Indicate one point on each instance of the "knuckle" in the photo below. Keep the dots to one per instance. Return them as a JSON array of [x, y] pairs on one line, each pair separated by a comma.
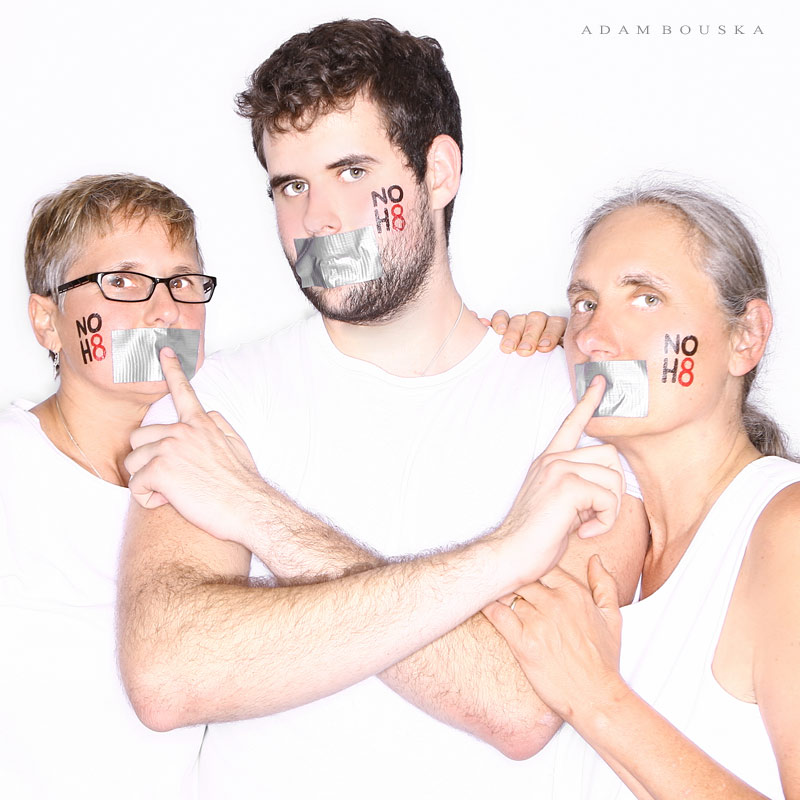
[[558, 470], [535, 323], [546, 459]]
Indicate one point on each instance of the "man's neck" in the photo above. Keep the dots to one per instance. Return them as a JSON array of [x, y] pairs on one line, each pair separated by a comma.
[[409, 344]]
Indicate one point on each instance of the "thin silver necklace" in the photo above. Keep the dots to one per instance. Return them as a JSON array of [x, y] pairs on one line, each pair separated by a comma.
[[446, 340], [72, 439]]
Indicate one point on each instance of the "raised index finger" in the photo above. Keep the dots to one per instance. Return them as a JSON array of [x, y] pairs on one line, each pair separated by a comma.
[[186, 403], [569, 434]]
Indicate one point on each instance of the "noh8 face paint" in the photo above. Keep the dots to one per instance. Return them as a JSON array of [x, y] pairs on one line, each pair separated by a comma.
[[626, 387], [339, 259], [134, 352]]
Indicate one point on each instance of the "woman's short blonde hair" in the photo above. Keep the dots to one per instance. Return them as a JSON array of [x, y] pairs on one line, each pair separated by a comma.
[[63, 222]]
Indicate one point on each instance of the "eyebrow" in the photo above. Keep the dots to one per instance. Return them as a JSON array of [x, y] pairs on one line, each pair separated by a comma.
[[578, 286], [351, 160], [135, 266], [630, 279], [643, 279]]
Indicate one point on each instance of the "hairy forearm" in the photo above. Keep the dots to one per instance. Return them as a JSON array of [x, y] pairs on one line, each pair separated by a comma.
[[653, 758], [299, 547], [198, 647], [469, 679]]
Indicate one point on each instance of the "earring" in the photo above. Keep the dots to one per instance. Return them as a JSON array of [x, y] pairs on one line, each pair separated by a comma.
[[56, 362]]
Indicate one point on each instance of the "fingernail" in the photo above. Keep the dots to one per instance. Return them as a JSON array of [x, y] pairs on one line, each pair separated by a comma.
[[507, 343], [544, 343], [524, 346], [502, 328], [167, 351]]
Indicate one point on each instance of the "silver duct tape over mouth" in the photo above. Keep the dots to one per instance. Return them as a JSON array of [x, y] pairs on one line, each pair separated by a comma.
[[134, 352], [626, 392], [339, 259]]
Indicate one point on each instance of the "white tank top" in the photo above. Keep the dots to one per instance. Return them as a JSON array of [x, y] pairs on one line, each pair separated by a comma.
[[668, 644]]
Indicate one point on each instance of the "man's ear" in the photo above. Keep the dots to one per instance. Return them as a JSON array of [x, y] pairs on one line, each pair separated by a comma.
[[443, 176], [42, 311], [749, 338]]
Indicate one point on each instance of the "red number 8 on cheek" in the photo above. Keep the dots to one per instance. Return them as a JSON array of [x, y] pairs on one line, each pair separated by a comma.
[[398, 220]]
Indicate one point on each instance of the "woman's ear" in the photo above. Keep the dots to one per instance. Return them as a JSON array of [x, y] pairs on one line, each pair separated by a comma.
[[443, 175], [750, 337], [42, 311]]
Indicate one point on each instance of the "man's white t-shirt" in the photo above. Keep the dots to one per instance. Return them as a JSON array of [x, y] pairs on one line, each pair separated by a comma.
[[404, 465]]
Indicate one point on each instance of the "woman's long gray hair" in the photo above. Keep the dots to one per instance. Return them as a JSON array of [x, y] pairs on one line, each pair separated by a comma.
[[729, 256]]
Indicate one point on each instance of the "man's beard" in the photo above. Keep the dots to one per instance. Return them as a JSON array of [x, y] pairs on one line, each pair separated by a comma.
[[406, 260]]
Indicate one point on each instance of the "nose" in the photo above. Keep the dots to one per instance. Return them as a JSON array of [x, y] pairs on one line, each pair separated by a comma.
[[161, 310], [320, 217], [598, 338]]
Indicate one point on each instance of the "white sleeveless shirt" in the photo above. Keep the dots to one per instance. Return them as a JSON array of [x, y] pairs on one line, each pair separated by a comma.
[[668, 644]]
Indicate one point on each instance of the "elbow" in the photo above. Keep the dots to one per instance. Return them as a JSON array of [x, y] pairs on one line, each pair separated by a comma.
[[517, 750], [154, 717], [526, 738], [159, 703], [157, 716]]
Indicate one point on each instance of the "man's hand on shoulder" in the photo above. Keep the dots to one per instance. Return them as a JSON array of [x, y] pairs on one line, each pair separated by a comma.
[[528, 333]]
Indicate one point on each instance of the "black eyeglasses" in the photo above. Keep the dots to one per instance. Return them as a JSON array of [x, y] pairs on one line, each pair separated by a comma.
[[134, 287]]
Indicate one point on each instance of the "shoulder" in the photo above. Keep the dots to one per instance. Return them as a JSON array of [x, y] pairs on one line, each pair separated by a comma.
[[543, 377], [537, 372], [772, 562], [235, 380], [776, 534], [19, 448], [17, 424], [261, 353], [774, 606]]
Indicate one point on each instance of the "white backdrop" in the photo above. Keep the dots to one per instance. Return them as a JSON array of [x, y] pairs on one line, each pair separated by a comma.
[[554, 119]]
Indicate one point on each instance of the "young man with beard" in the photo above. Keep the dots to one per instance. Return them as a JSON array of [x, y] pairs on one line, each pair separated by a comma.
[[391, 413]]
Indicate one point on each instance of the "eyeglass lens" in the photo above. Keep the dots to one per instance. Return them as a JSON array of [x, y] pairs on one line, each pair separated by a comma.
[[130, 286]]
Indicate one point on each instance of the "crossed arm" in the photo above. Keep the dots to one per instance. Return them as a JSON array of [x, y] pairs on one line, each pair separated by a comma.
[[199, 643], [469, 677]]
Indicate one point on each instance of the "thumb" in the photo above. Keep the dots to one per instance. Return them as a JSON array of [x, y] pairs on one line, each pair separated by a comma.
[[223, 425], [147, 498], [241, 450], [602, 585], [505, 621]]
